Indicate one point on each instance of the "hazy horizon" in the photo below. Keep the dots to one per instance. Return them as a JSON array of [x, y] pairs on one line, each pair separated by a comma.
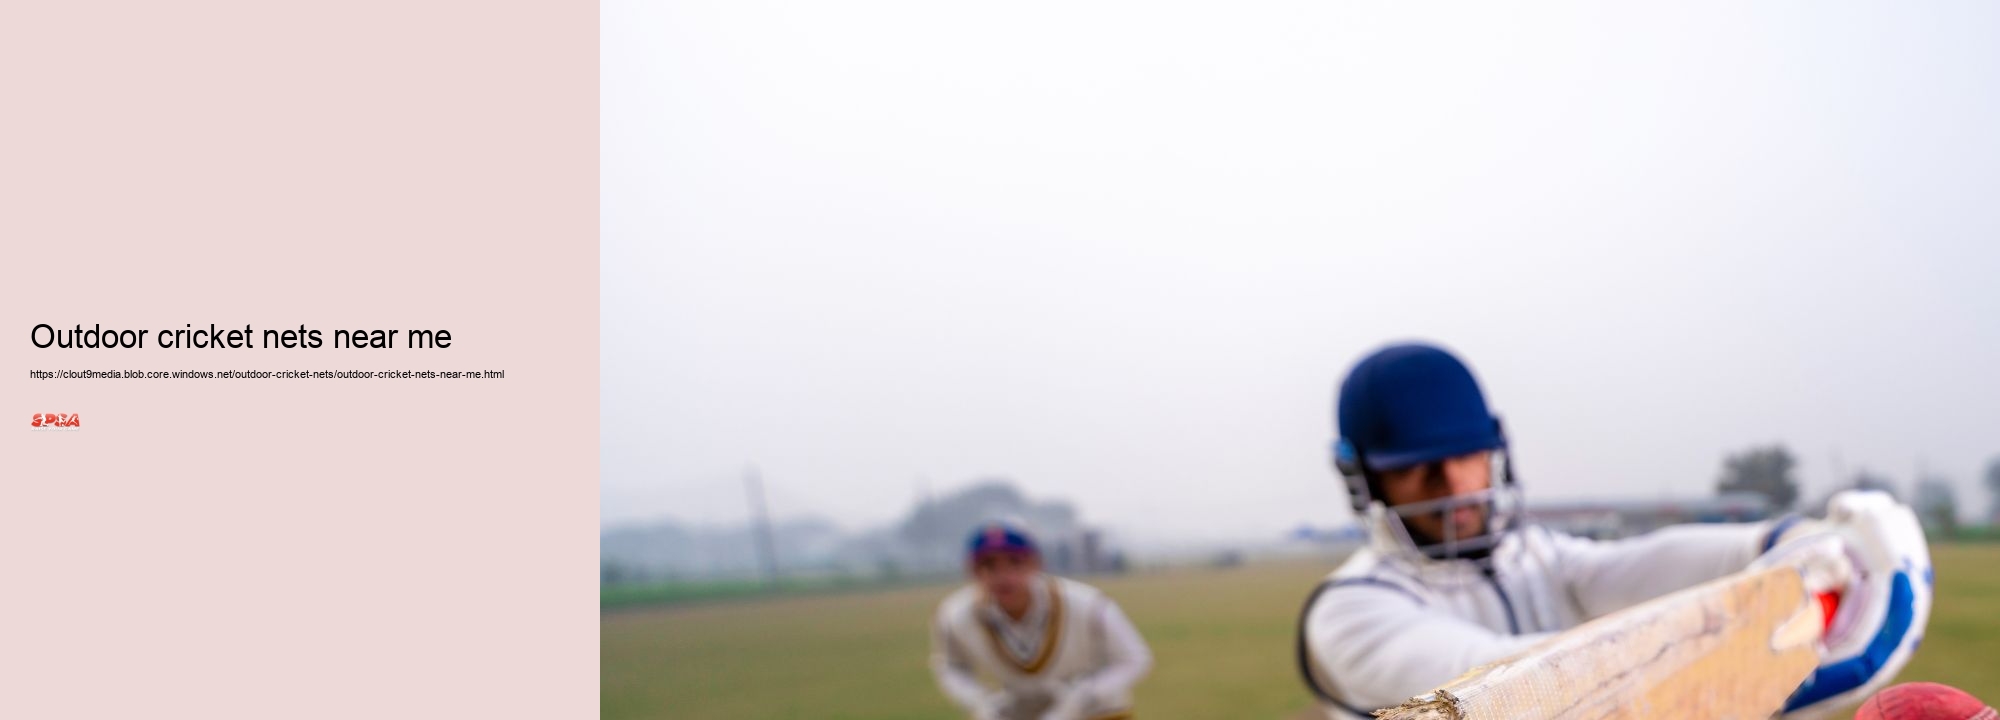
[[1121, 255]]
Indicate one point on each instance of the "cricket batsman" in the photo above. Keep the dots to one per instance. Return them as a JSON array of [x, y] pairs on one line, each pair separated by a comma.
[[1452, 579], [1020, 644]]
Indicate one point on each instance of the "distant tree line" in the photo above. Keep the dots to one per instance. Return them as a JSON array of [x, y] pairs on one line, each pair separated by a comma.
[[1767, 470]]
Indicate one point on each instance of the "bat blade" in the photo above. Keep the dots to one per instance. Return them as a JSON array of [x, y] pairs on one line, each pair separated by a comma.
[[1735, 647]]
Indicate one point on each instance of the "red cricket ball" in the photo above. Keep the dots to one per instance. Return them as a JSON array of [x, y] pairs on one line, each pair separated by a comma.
[[1924, 701]]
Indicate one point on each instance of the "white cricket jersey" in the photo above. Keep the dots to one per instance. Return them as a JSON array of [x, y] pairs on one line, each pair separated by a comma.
[[1387, 626], [1072, 643]]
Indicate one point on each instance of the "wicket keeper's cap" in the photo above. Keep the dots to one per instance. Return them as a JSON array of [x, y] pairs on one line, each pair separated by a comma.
[[999, 537], [1413, 403]]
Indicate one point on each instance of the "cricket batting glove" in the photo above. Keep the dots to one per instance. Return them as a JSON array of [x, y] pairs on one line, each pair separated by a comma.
[[1869, 570]]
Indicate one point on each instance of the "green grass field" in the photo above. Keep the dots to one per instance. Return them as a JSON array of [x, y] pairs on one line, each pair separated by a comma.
[[1221, 639], [620, 597]]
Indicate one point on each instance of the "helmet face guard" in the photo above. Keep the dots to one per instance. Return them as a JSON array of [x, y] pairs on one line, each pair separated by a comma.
[[1500, 506]]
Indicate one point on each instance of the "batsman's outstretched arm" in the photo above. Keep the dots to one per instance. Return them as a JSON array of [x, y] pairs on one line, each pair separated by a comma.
[[1607, 576], [1379, 646]]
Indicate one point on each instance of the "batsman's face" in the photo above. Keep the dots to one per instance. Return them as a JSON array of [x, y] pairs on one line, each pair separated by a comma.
[[1457, 475], [1006, 577]]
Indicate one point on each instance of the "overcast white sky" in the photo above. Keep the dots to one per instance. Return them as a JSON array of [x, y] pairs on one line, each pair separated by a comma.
[[1123, 252]]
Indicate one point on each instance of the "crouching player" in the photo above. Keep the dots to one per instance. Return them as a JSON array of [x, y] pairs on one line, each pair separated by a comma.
[[1019, 644]]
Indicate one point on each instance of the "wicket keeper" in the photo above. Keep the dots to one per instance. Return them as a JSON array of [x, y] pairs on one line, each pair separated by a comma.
[[1020, 644]]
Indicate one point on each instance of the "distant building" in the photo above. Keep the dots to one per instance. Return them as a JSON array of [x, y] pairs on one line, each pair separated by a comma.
[[1609, 519]]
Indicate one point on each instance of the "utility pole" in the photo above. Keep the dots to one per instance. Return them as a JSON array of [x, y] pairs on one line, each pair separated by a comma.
[[760, 524]]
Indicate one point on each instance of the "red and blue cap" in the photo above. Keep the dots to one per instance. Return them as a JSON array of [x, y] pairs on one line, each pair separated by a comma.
[[999, 537]]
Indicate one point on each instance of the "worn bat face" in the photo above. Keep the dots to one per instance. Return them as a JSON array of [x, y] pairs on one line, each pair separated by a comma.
[[1732, 648]]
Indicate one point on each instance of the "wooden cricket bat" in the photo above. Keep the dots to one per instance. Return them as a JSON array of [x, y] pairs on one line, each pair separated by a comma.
[[1735, 647]]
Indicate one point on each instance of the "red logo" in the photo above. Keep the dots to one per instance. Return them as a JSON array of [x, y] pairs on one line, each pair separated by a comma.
[[57, 420]]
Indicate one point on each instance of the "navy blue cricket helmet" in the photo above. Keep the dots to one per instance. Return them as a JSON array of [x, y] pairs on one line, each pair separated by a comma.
[[1405, 405]]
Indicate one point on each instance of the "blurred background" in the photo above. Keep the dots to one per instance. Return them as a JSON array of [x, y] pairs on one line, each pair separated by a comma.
[[873, 272]]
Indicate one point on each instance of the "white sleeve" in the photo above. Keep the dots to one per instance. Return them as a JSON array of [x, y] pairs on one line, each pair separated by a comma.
[[1128, 657], [954, 670], [1381, 646], [1605, 576]]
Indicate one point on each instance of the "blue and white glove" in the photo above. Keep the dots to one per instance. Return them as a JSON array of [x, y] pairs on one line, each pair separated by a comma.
[[1869, 558]]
